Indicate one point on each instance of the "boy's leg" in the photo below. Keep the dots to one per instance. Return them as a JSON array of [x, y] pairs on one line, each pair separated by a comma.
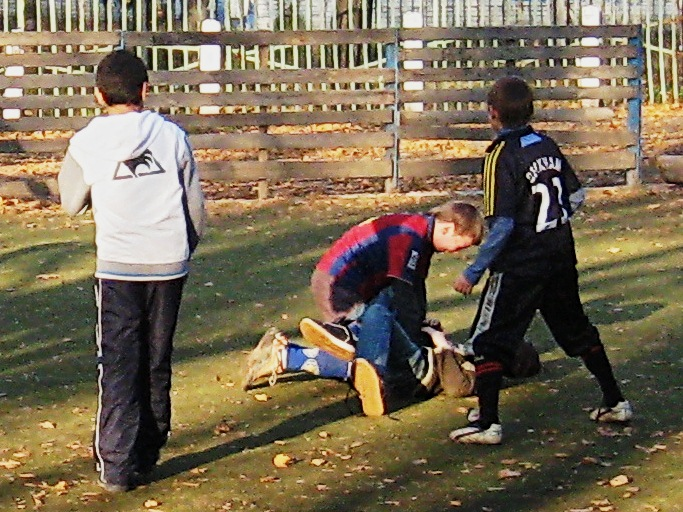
[[506, 308], [564, 314], [163, 303], [316, 362], [406, 355], [119, 330], [373, 336]]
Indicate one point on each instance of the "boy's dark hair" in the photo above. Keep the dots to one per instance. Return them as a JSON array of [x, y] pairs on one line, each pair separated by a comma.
[[120, 77], [467, 219], [512, 98]]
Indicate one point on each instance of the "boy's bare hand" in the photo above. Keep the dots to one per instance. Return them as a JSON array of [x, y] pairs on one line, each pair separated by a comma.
[[462, 285]]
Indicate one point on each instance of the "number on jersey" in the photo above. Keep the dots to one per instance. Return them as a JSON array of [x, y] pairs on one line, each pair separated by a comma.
[[551, 212]]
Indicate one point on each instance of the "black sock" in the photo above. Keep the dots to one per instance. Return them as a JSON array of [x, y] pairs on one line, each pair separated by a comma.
[[598, 364], [489, 379]]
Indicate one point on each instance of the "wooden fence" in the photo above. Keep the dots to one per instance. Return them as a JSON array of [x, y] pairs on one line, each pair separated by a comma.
[[278, 124]]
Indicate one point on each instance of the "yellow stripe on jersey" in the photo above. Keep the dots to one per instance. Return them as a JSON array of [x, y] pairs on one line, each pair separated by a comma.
[[490, 163]]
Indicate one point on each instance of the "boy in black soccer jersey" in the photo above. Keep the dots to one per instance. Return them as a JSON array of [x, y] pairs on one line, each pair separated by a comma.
[[530, 192], [137, 173]]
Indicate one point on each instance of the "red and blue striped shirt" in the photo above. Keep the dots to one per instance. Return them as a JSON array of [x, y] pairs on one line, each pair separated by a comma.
[[368, 255]]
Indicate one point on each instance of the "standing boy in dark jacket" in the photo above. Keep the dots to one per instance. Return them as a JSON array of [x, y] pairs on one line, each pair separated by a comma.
[[530, 192], [137, 173]]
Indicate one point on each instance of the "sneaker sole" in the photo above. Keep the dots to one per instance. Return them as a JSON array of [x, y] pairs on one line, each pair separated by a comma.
[[316, 335], [474, 437], [369, 386]]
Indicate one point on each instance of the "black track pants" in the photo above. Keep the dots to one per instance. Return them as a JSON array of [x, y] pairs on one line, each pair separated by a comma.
[[509, 303], [135, 326]]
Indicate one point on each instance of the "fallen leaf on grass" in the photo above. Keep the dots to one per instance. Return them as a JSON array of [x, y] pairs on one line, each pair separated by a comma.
[[151, 503], [224, 426], [508, 473], [46, 277], [455, 503], [619, 480], [318, 462], [282, 460], [261, 397], [9, 464], [47, 424], [322, 487]]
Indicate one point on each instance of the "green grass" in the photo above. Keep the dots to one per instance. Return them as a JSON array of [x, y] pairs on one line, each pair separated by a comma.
[[251, 272]]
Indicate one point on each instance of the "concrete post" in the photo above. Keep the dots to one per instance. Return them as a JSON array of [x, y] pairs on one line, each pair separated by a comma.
[[413, 19], [591, 17], [210, 60], [13, 92]]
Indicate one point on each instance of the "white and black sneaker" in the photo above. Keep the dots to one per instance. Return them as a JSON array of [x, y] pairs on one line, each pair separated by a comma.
[[335, 339], [475, 433], [620, 413]]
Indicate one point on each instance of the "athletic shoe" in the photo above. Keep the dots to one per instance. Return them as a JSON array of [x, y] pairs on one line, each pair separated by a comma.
[[367, 382], [473, 415], [332, 338], [620, 413], [114, 488], [474, 433], [266, 358]]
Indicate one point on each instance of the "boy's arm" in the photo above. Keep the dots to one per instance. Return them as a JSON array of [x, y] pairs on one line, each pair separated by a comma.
[[195, 198], [575, 192], [500, 229], [74, 193], [500, 197]]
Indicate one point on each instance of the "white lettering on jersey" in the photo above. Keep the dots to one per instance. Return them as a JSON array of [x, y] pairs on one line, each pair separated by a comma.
[[544, 163], [412, 261]]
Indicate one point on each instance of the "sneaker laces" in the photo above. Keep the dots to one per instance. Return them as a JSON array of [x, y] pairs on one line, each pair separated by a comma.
[[279, 342]]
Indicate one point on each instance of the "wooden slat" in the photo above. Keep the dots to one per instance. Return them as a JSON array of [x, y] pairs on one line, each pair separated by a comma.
[[478, 95], [52, 60], [261, 38], [48, 80], [33, 101], [441, 118], [266, 76], [528, 72], [562, 137], [37, 124], [416, 131], [593, 137], [60, 38], [603, 161], [292, 141], [271, 98], [34, 146], [514, 53], [519, 32], [365, 117], [235, 171]]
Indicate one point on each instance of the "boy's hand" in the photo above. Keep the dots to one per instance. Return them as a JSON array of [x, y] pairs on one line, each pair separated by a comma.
[[462, 285]]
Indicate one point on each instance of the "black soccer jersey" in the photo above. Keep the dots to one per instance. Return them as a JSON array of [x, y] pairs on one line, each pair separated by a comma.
[[528, 179]]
